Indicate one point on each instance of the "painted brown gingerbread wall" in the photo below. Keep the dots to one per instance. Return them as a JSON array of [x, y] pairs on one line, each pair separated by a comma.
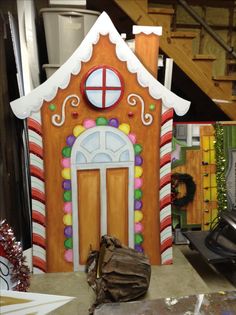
[[54, 140], [97, 170]]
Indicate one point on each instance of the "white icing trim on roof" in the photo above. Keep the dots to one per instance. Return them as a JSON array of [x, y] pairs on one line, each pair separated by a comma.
[[33, 101], [137, 29]]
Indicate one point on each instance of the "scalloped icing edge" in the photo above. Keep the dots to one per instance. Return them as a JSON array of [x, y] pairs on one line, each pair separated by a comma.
[[147, 30], [32, 102]]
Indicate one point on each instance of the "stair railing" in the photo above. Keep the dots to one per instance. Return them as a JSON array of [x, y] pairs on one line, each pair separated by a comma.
[[217, 38]]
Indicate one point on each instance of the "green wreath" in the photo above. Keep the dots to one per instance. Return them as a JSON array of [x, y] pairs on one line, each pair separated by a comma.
[[187, 179]]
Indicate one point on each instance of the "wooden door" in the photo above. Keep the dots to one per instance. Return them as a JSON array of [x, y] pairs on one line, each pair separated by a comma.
[[89, 212], [117, 203], [89, 208]]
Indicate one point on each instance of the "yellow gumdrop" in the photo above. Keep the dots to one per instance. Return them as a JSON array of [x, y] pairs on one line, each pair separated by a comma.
[[78, 130], [138, 216], [67, 219], [65, 173], [138, 171], [125, 128]]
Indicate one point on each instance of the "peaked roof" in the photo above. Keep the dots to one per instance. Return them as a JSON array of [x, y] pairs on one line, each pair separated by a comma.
[[32, 102]]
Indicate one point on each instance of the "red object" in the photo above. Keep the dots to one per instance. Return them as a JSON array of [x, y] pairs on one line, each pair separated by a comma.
[[13, 252], [2, 251], [74, 115]]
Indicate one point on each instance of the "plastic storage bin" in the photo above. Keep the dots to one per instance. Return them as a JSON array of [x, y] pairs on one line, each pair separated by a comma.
[[50, 69], [65, 28]]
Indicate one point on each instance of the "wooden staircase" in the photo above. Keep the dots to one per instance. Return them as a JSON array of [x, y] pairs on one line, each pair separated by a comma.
[[178, 46]]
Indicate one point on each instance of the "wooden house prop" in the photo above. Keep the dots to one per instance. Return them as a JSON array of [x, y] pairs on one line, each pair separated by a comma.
[[194, 203], [100, 131], [204, 156]]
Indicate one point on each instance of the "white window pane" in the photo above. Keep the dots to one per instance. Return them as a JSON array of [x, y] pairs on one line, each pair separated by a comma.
[[112, 79], [80, 158], [114, 142], [91, 142], [112, 97], [101, 158], [95, 97], [95, 78], [124, 157]]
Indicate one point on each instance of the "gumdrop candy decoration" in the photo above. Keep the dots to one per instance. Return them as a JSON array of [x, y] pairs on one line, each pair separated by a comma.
[[113, 122]]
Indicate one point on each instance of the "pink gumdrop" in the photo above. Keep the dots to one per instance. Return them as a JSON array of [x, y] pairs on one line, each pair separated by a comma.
[[65, 162], [89, 123], [132, 137], [68, 255], [68, 207], [138, 227], [138, 183]]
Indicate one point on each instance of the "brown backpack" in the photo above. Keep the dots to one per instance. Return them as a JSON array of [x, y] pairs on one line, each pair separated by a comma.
[[117, 273]]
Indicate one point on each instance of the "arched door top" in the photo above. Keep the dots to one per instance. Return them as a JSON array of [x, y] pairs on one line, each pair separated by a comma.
[[102, 144]]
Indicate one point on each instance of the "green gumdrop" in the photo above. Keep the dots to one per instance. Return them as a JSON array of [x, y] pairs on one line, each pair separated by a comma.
[[68, 243], [138, 239], [101, 121], [67, 195], [138, 194], [137, 149], [66, 151], [52, 107], [152, 106]]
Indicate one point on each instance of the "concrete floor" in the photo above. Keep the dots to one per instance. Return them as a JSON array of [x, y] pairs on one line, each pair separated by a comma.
[[215, 280], [187, 276]]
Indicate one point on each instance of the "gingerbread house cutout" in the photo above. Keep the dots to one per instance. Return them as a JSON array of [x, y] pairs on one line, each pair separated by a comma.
[[100, 132]]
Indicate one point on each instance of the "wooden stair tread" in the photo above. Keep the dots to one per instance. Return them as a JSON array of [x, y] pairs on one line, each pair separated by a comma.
[[231, 61], [139, 14], [224, 78], [183, 34], [203, 57], [224, 101], [167, 11], [228, 108]]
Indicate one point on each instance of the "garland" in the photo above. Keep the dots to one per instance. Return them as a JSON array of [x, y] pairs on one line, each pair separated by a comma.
[[187, 179], [20, 273], [220, 167]]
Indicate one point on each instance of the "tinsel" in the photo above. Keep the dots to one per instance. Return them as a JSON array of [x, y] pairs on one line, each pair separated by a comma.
[[220, 167], [20, 273]]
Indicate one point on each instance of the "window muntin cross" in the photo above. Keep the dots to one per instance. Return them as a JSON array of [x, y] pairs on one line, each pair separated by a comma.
[[103, 87]]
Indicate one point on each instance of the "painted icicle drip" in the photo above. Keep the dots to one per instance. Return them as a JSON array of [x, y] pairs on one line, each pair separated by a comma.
[[66, 182], [165, 189], [132, 100], [58, 120], [37, 192]]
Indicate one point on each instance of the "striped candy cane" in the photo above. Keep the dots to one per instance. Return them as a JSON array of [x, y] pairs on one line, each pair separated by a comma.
[[165, 186], [38, 193]]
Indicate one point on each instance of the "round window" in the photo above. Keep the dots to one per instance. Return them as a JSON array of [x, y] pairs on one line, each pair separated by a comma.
[[103, 87]]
